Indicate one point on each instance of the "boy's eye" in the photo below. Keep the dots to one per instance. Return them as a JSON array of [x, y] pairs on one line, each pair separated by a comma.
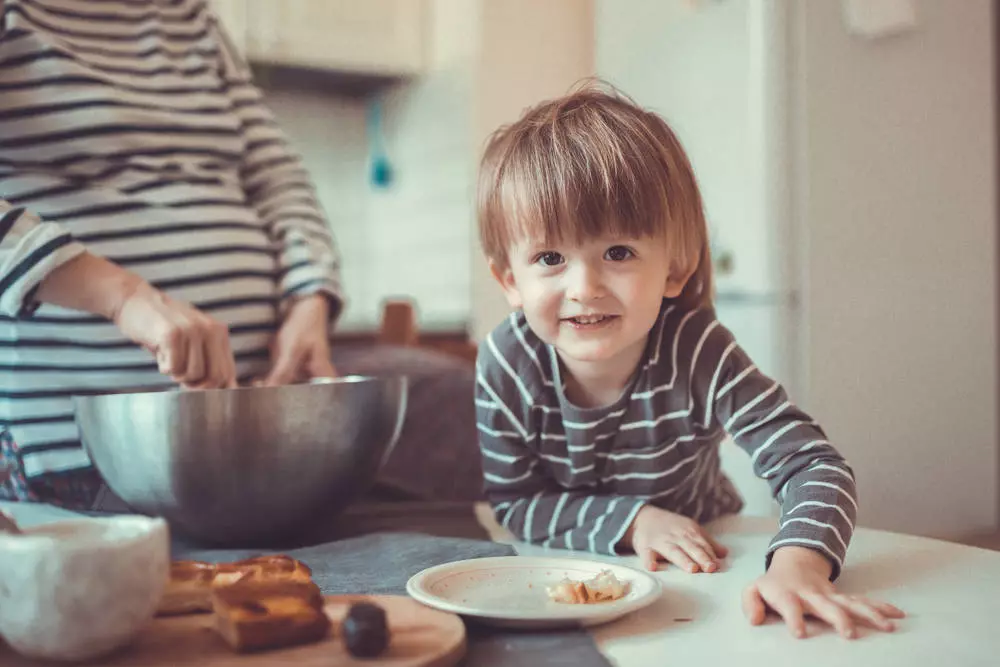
[[549, 258], [618, 253]]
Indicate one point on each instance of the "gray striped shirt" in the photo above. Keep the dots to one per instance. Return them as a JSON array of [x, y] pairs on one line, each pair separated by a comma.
[[131, 129], [575, 478]]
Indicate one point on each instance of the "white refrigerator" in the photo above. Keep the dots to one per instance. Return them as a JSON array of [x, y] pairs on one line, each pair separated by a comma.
[[713, 70]]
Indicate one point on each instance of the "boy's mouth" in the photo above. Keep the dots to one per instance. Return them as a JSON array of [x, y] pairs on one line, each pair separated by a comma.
[[589, 321]]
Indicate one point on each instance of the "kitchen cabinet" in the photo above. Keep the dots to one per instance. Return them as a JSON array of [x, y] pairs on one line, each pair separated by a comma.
[[379, 38]]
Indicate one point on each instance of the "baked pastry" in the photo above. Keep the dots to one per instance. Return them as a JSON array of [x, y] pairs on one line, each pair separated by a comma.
[[258, 615], [189, 590], [262, 568], [603, 587]]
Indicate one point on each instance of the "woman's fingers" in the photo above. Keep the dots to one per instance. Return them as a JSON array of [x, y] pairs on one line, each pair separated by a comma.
[[320, 366], [170, 349], [195, 349], [194, 373], [190, 347], [222, 365], [221, 368]]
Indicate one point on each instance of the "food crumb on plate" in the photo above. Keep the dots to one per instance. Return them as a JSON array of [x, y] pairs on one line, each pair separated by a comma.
[[603, 587]]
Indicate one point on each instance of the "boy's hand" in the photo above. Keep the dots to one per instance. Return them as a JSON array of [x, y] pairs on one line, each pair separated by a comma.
[[679, 540], [798, 583]]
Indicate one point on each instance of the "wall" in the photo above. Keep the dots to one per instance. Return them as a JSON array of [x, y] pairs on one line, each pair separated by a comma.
[[895, 184], [411, 239], [327, 130], [530, 51]]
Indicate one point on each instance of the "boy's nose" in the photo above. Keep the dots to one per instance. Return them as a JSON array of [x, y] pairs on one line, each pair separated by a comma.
[[584, 284]]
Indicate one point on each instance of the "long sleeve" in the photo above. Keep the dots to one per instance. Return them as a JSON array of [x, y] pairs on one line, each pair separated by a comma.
[[279, 189], [811, 480], [29, 250], [524, 497]]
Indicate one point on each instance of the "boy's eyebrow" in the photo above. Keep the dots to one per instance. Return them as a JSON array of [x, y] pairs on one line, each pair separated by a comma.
[[530, 249]]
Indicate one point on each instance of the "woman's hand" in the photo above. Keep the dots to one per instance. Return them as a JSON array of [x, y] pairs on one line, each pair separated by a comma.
[[798, 584], [679, 540], [301, 348], [190, 347]]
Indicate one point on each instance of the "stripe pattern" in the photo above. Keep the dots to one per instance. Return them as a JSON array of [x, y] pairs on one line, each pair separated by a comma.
[[574, 478], [132, 129]]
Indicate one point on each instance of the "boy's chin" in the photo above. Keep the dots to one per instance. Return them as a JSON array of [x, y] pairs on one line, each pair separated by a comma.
[[591, 354]]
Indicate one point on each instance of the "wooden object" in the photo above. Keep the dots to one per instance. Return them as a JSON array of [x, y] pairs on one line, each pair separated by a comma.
[[419, 637], [399, 324], [399, 327]]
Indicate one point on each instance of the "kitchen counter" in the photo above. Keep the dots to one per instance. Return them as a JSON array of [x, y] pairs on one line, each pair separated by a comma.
[[950, 592]]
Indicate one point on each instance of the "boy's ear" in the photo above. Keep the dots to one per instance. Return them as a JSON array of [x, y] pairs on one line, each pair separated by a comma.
[[505, 277], [677, 279]]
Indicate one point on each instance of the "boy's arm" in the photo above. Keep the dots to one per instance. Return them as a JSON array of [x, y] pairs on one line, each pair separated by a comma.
[[811, 480], [525, 499]]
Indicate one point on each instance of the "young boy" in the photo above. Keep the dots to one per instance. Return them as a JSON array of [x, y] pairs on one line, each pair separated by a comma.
[[602, 400]]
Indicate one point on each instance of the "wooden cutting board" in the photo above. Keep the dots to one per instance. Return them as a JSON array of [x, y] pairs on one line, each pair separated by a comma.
[[419, 637]]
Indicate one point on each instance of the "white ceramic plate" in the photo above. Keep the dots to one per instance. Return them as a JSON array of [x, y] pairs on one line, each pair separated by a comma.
[[510, 591]]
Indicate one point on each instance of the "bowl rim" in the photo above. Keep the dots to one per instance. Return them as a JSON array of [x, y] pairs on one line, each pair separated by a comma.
[[41, 536], [174, 389]]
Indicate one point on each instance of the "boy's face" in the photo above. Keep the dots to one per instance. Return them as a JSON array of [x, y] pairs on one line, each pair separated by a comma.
[[595, 302]]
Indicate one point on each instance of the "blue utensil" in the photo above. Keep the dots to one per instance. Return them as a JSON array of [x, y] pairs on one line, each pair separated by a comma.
[[381, 168]]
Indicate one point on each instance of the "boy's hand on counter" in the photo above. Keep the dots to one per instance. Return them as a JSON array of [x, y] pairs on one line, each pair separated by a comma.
[[798, 584], [656, 533]]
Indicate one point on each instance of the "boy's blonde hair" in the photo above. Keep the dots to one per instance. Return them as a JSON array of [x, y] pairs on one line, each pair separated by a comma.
[[592, 163]]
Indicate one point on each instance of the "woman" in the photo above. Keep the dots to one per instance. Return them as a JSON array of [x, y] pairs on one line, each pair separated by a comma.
[[155, 228]]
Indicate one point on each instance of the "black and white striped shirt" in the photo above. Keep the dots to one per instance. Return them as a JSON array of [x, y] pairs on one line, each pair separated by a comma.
[[575, 478], [130, 128]]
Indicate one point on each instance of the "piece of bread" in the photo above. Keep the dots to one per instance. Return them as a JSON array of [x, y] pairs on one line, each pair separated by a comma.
[[189, 590], [603, 587], [260, 615], [262, 568]]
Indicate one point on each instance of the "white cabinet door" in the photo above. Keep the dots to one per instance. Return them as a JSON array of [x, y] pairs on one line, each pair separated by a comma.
[[381, 37]]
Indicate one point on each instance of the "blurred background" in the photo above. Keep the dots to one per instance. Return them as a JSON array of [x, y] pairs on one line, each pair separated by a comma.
[[847, 154]]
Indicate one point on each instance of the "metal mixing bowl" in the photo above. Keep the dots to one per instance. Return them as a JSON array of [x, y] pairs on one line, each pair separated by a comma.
[[243, 467]]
